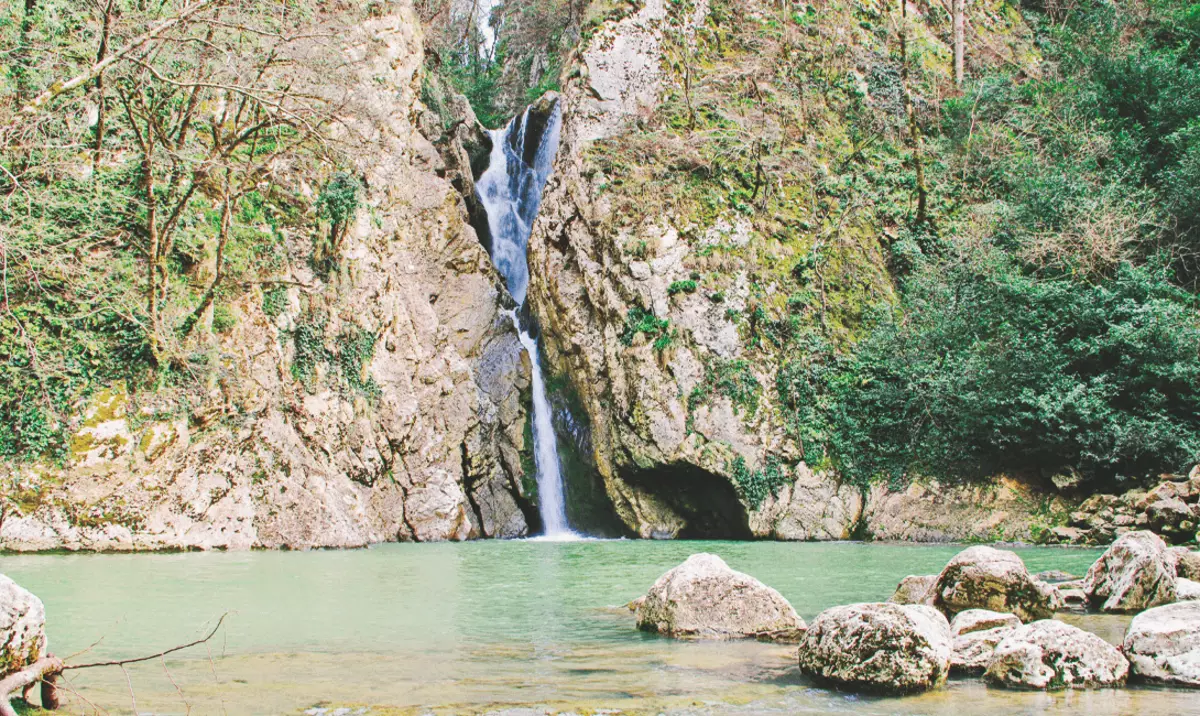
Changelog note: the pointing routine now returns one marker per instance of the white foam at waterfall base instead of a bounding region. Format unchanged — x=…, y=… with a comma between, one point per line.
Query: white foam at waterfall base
x=511, y=193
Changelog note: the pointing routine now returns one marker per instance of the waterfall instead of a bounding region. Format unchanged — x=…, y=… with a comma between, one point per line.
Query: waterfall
x=511, y=192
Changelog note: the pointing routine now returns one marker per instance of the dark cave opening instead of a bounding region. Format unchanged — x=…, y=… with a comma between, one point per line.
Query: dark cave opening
x=707, y=502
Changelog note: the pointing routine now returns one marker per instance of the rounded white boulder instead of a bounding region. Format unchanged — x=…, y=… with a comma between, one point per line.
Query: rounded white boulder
x=878, y=647
x=1136, y=572
x=1049, y=654
x=993, y=579
x=1163, y=644
x=704, y=598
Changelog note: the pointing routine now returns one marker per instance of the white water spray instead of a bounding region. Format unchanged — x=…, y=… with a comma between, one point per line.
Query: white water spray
x=511, y=192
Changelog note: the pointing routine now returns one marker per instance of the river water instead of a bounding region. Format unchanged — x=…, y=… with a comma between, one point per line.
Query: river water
x=473, y=627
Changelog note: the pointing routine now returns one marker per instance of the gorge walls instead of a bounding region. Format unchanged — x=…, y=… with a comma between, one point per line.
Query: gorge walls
x=409, y=420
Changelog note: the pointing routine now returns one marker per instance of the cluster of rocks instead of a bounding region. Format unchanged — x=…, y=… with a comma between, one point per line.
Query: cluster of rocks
x=1171, y=509
x=984, y=613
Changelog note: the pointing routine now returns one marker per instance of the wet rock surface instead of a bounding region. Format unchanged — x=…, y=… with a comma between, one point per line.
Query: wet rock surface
x=878, y=647
x=703, y=598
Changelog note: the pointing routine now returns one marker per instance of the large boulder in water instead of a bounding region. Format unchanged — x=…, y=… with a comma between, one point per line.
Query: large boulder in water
x=1163, y=644
x=1137, y=572
x=22, y=627
x=915, y=590
x=704, y=598
x=975, y=634
x=878, y=647
x=988, y=578
x=1049, y=654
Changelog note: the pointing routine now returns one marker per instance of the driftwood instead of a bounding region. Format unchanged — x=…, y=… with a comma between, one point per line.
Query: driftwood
x=46, y=671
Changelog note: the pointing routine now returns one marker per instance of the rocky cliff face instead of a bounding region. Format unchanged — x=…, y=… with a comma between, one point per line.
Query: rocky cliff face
x=423, y=439
x=654, y=305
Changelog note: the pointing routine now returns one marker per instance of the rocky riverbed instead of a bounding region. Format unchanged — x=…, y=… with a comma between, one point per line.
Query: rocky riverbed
x=984, y=613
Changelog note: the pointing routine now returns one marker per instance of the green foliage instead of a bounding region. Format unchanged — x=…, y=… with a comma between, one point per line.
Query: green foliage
x=685, y=286
x=478, y=80
x=77, y=313
x=223, y=319
x=62, y=329
x=754, y=486
x=732, y=379
x=308, y=343
x=994, y=369
x=639, y=320
x=340, y=198
x=355, y=348
x=275, y=301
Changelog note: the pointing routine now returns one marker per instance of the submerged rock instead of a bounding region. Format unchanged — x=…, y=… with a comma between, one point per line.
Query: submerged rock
x=1049, y=654
x=22, y=627
x=878, y=647
x=915, y=590
x=1137, y=572
x=1163, y=644
x=704, y=598
x=988, y=578
x=1054, y=576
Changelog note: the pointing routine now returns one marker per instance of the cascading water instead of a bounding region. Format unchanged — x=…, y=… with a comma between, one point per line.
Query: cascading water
x=511, y=192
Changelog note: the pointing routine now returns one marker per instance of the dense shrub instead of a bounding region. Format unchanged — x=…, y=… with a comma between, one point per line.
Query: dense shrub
x=990, y=368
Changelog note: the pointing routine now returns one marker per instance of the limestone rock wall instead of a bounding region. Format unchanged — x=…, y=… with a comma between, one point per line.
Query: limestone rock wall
x=432, y=453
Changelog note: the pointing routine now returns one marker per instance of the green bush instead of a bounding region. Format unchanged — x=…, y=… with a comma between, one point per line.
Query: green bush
x=755, y=485
x=223, y=319
x=686, y=286
x=639, y=320
x=991, y=369
x=274, y=301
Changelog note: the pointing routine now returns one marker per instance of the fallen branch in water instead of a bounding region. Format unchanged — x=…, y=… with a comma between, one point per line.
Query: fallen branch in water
x=159, y=655
x=47, y=670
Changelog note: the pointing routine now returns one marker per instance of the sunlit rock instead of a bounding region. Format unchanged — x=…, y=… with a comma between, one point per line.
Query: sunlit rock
x=915, y=590
x=975, y=633
x=22, y=627
x=1135, y=573
x=1163, y=644
x=1049, y=654
x=878, y=647
x=988, y=578
x=704, y=598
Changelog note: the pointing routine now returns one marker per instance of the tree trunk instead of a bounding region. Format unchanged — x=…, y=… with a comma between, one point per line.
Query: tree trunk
x=959, y=12
x=914, y=132
x=100, y=55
